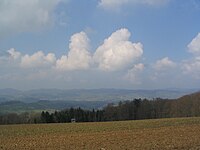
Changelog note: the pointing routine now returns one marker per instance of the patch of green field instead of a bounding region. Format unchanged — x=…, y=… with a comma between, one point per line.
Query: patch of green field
x=179, y=133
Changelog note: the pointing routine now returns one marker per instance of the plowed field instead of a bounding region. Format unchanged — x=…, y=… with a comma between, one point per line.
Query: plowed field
x=161, y=134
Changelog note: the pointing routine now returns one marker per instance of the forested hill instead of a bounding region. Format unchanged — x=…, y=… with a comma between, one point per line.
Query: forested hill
x=194, y=96
x=188, y=105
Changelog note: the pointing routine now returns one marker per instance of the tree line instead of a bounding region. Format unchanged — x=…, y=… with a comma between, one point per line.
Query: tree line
x=126, y=110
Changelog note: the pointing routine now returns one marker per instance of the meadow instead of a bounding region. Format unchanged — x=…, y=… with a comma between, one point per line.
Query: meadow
x=177, y=133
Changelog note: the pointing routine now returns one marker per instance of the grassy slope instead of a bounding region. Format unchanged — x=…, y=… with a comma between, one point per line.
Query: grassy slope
x=181, y=133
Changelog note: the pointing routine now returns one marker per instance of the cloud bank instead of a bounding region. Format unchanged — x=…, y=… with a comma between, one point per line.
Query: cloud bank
x=117, y=59
x=116, y=53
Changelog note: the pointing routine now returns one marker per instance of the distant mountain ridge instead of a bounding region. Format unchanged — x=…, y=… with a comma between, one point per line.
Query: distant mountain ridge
x=88, y=94
x=39, y=106
x=9, y=91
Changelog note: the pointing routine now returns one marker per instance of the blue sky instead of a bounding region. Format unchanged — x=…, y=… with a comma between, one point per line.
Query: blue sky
x=133, y=44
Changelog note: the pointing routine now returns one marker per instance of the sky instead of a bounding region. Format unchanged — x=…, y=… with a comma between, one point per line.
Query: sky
x=87, y=44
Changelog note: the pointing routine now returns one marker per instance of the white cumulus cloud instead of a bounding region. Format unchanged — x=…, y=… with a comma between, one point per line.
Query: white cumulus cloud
x=38, y=60
x=117, y=52
x=194, y=45
x=78, y=58
x=164, y=64
x=133, y=73
x=116, y=4
x=78, y=66
x=13, y=54
x=192, y=67
x=112, y=3
x=10, y=58
x=25, y=15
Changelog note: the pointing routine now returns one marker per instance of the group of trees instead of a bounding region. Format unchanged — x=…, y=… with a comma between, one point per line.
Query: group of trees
x=22, y=118
x=78, y=114
x=127, y=110
x=136, y=109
